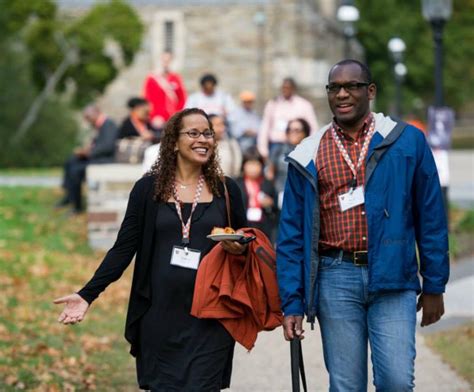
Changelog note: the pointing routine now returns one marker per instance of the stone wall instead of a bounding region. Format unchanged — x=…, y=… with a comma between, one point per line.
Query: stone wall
x=248, y=45
x=108, y=188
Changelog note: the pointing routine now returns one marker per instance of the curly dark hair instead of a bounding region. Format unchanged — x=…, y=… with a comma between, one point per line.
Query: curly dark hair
x=164, y=169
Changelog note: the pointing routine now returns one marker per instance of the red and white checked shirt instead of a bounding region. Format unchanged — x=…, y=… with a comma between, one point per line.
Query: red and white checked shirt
x=341, y=230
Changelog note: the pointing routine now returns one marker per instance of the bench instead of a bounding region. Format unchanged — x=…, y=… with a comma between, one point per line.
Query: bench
x=108, y=188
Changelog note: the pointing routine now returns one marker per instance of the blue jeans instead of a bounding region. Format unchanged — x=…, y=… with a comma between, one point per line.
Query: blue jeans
x=350, y=317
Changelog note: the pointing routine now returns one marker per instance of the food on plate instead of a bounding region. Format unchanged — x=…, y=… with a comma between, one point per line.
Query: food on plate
x=222, y=230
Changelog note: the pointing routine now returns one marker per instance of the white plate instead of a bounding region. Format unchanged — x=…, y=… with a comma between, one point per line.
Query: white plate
x=224, y=237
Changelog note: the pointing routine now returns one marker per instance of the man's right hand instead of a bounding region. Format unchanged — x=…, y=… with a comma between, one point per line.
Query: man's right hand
x=293, y=327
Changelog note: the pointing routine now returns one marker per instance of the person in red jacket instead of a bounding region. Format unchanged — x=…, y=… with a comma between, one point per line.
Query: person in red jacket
x=165, y=91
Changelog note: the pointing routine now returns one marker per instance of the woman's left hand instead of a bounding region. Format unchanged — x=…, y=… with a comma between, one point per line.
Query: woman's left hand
x=234, y=247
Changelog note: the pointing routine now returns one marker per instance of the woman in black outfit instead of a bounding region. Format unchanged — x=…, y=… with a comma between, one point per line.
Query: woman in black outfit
x=170, y=212
x=137, y=123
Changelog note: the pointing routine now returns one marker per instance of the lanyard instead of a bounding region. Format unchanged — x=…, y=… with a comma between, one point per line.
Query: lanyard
x=185, y=228
x=253, y=189
x=363, y=152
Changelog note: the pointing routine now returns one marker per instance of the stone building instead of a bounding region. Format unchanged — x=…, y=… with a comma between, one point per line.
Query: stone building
x=248, y=44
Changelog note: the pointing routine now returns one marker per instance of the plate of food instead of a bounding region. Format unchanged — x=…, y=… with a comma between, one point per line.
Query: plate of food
x=224, y=234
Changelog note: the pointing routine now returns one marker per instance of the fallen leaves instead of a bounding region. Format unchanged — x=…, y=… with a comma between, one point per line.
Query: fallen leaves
x=36, y=352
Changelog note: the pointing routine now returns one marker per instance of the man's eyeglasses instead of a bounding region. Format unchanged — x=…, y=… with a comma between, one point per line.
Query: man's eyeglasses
x=334, y=88
x=195, y=134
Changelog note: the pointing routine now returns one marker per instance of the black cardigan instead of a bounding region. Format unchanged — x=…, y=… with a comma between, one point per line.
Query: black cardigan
x=136, y=236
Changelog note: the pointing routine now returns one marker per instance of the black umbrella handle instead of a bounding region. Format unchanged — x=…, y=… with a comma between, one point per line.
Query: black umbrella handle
x=297, y=366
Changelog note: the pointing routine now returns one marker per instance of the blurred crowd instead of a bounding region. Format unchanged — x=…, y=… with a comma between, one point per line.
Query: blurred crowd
x=251, y=147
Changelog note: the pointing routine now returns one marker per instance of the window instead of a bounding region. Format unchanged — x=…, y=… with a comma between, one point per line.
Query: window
x=169, y=36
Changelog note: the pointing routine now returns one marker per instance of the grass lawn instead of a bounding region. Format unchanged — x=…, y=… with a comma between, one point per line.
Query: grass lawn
x=44, y=255
x=457, y=348
x=27, y=172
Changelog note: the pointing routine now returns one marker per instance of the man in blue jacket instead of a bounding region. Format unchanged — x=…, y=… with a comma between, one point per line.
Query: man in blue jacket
x=361, y=196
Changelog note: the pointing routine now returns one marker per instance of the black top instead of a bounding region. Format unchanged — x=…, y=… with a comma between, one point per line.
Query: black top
x=127, y=129
x=179, y=352
x=137, y=235
x=268, y=214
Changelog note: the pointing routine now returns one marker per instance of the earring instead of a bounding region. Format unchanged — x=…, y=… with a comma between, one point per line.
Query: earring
x=175, y=150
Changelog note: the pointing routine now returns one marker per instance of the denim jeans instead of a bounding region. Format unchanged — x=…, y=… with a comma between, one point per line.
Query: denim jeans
x=350, y=318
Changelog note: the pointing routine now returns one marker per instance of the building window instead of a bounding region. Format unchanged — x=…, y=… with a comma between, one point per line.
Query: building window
x=169, y=36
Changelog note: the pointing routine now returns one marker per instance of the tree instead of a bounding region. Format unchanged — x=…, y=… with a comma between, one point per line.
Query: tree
x=34, y=42
x=52, y=135
x=95, y=69
x=384, y=19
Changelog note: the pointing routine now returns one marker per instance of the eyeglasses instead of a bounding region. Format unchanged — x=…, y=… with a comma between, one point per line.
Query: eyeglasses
x=334, y=88
x=195, y=134
x=295, y=130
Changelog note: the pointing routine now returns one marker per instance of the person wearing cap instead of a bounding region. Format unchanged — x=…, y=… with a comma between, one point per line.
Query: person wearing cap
x=245, y=121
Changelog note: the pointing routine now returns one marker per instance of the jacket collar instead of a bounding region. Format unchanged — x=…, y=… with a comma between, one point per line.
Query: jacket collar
x=306, y=151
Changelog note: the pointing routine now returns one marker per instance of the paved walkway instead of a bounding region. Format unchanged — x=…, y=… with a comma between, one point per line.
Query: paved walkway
x=267, y=367
x=41, y=181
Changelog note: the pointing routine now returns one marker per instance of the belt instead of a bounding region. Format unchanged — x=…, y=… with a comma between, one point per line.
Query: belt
x=357, y=258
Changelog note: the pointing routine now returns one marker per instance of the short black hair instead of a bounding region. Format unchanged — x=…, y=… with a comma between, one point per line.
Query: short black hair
x=291, y=81
x=366, y=74
x=252, y=154
x=208, y=78
x=136, y=101
x=303, y=122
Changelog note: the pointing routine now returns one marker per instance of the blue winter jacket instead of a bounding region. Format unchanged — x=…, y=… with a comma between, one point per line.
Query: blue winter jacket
x=404, y=210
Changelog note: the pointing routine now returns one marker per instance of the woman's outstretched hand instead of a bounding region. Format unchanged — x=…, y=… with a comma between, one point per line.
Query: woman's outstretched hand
x=75, y=309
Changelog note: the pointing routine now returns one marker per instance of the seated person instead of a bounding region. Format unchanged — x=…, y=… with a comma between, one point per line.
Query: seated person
x=100, y=150
x=137, y=124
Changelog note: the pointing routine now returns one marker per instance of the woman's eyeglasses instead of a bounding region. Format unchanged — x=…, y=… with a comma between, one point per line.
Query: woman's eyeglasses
x=195, y=134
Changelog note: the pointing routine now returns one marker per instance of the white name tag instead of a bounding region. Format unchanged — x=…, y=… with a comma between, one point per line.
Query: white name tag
x=254, y=214
x=351, y=199
x=185, y=257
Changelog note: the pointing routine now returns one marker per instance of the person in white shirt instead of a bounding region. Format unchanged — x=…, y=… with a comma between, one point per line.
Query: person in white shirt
x=210, y=99
x=279, y=112
x=245, y=121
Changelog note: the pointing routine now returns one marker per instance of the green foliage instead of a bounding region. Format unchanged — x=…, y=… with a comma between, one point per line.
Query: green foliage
x=467, y=222
x=53, y=134
x=113, y=20
x=384, y=19
x=34, y=41
x=16, y=14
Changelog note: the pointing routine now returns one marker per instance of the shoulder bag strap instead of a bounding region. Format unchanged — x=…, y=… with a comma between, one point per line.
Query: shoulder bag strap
x=227, y=203
x=297, y=366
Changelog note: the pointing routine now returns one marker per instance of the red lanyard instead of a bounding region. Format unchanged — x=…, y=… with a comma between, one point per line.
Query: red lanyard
x=363, y=152
x=185, y=228
x=253, y=189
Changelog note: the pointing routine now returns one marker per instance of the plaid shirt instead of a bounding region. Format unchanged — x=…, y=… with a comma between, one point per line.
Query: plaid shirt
x=341, y=230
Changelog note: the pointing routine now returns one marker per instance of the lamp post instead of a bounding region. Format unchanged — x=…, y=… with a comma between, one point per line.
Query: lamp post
x=348, y=14
x=397, y=47
x=440, y=118
x=437, y=12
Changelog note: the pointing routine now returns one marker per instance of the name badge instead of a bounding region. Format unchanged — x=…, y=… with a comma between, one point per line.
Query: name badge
x=351, y=199
x=185, y=257
x=254, y=214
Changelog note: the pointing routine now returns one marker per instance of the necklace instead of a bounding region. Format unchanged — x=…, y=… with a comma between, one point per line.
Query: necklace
x=183, y=186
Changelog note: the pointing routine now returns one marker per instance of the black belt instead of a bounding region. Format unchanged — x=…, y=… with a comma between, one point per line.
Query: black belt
x=357, y=258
